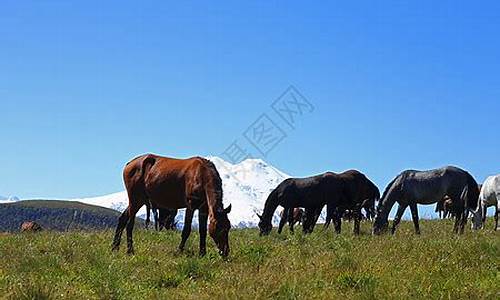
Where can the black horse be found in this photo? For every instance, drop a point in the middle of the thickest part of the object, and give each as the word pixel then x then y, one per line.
pixel 413 187
pixel 348 190
pixel 358 192
pixel 309 193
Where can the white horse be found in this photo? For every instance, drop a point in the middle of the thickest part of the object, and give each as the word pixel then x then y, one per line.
pixel 489 196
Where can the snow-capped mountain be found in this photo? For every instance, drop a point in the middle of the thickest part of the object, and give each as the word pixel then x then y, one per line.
pixel 4 199
pixel 246 186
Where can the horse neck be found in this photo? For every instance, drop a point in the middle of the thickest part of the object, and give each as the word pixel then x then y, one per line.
pixel 214 199
pixel 386 205
pixel 270 207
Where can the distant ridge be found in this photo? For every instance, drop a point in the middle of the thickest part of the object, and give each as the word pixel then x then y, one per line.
pixel 56 215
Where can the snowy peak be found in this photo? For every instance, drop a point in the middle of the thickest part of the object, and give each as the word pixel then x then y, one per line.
pixel 8 199
pixel 246 186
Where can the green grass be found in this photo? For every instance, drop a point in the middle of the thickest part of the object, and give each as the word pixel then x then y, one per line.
pixel 78 265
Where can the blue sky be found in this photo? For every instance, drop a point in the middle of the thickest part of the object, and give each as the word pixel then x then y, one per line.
pixel 85 87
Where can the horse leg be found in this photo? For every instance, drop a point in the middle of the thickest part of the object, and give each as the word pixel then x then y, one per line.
pixel 397 219
pixel 496 215
pixel 357 220
pixel 329 216
pixel 290 219
pixel 414 216
pixel 465 216
pixel 155 215
pixel 202 228
pixel 457 223
pixel 186 230
pixel 283 220
pixel 484 210
pixel 132 211
pixel 122 222
pixel 337 220
pixel 148 214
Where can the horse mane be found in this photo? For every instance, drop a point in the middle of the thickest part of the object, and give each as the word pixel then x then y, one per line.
pixel 386 191
pixel 215 180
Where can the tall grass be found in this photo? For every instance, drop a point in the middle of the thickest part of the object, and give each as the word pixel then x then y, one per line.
pixel 79 265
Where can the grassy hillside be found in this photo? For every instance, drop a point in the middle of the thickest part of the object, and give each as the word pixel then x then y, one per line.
pixel 79 265
pixel 56 215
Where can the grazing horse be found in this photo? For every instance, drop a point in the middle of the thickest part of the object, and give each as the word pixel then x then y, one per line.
pixel 358 192
pixel 489 196
pixel 309 193
pixel 298 214
pixel 445 208
pixel 149 208
pixel 167 219
pixel 413 187
pixel 192 183
pixel 163 217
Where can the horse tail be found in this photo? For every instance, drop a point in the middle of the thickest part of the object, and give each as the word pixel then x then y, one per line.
pixel 134 175
pixel 147 163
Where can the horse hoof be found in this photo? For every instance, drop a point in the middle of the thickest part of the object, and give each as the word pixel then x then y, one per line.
pixel 130 252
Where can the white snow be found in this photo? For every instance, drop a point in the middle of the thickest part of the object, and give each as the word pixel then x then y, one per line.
pixel 4 199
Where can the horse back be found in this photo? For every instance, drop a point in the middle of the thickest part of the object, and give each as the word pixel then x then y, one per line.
pixel 357 188
pixel 166 182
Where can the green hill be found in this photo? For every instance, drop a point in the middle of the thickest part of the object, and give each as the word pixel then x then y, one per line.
pixel 56 215
pixel 79 265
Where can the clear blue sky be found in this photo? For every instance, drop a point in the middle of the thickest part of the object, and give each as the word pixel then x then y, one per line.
pixel 86 86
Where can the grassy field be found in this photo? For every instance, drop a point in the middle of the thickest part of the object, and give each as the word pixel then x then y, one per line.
pixel 323 265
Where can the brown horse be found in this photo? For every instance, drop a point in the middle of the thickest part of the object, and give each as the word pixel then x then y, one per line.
pixel 192 183
pixel 167 219
pixel 163 217
pixel 445 207
pixel 296 217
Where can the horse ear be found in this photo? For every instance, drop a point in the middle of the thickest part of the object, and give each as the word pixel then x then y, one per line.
pixel 260 217
pixel 228 209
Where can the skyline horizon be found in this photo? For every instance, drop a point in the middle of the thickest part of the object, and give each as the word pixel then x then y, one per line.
pixel 209 157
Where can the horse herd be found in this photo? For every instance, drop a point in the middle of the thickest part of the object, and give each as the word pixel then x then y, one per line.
pixel 168 184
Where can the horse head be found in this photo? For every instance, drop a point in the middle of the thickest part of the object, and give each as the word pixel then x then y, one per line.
pixel 380 223
pixel 477 217
pixel 264 227
pixel 219 230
